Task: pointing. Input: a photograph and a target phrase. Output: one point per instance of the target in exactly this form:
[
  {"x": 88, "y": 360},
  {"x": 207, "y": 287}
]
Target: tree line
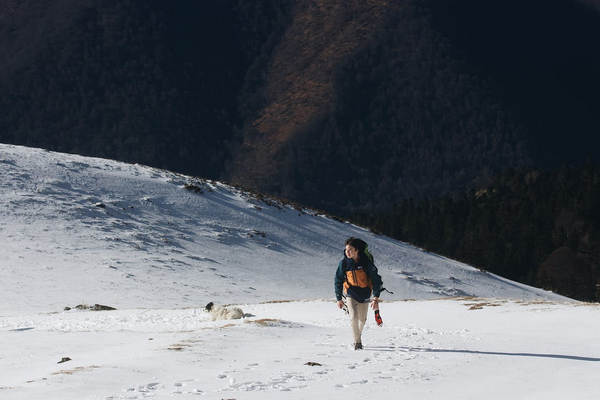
[{"x": 540, "y": 228}]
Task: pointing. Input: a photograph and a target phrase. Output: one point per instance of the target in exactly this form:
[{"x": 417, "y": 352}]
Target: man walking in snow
[{"x": 356, "y": 277}]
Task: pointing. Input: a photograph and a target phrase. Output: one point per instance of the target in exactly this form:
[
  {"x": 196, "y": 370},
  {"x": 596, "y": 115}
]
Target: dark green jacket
[{"x": 357, "y": 293}]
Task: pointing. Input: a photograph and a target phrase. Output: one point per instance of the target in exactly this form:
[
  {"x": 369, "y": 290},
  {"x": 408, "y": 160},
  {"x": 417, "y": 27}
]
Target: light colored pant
[{"x": 358, "y": 317}]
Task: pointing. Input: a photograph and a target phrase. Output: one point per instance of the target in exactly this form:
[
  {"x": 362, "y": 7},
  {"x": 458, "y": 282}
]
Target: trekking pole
[
  {"x": 378, "y": 318},
  {"x": 345, "y": 307}
]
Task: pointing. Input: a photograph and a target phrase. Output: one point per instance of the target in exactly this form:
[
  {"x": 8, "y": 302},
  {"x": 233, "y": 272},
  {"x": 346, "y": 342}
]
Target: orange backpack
[{"x": 357, "y": 277}]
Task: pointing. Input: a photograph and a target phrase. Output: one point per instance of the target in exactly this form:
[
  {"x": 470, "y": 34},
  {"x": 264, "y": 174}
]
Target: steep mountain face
[
  {"x": 138, "y": 81},
  {"x": 439, "y": 96},
  {"x": 399, "y": 117},
  {"x": 405, "y": 118},
  {"x": 299, "y": 86}
]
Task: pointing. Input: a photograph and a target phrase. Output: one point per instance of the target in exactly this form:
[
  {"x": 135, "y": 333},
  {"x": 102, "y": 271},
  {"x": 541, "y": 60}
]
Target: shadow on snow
[{"x": 493, "y": 353}]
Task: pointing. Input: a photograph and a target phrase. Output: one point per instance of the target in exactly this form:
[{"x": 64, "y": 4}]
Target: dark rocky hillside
[
  {"x": 537, "y": 227},
  {"x": 352, "y": 106},
  {"x": 439, "y": 96}
]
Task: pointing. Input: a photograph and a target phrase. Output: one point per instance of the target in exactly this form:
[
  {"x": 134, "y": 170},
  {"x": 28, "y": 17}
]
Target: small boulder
[
  {"x": 100, "y": 307},
  {"x": 95, "y": 307}
]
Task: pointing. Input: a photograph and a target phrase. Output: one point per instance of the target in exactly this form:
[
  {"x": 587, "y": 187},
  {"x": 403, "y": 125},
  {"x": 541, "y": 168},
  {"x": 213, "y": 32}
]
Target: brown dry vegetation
[
  {"x": 264, "y": 321},
  {"x": 479, "y": 306},
  {"x": 299, "y": 84},
  {"x": 75, "y": 370}
]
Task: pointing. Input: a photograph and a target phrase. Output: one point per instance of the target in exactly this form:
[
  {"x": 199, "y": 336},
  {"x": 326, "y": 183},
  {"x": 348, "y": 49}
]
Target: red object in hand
[{"x": 378, "y": 318}]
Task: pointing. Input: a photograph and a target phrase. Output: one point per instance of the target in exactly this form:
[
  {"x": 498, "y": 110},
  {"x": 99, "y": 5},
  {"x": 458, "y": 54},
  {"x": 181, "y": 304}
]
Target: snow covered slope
[
  {"x": 85, "y": 230},
  {"x": 79, "y": 230}
]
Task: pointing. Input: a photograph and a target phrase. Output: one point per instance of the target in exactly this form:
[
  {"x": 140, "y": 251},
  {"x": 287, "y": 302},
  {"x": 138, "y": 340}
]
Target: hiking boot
[{"x": 358, "y": 346}]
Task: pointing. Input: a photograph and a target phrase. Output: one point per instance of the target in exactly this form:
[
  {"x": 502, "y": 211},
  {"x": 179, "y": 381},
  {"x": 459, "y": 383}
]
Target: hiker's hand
[
  {"x": 375, "y": 303},
  {"x": 340, "y": 304}
]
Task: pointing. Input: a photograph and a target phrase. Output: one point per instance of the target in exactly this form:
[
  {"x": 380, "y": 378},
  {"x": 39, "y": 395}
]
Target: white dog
[{"x": 221, "y": 312}]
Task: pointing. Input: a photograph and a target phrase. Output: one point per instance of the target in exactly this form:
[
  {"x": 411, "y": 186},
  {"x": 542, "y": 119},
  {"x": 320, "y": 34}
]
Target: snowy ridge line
[{"x": 80, "y": 230}]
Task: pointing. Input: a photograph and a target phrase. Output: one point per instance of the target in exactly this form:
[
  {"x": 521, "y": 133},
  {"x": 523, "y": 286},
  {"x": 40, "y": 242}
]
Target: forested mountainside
[
  {"x": 145, "y": 81},
  {"x": 443, "y": 95},
  {"x": 352, "y": 106},
  {"x": 307, "y": 99},
  {"x": 536, "y": 227}
]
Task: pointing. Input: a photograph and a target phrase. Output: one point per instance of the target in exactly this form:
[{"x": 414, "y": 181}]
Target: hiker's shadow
[{"x": 492, "y": 353}]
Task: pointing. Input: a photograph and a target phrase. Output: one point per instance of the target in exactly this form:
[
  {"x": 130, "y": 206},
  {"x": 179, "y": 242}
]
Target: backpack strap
[
  {"x": 369, "y": 255},
  {"x": 384, "y": 289}
]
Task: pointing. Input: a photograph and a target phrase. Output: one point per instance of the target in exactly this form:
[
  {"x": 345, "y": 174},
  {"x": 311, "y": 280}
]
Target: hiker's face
[{"x": 351, "y": 252}]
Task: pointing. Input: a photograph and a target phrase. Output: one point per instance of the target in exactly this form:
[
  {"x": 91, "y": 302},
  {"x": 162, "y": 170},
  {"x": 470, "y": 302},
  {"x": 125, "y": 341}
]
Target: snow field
[{"x": 426, "y": 349}]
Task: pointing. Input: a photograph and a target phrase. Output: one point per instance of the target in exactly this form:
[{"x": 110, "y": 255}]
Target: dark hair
[
  {"x": 360, "y": 245},
  {"x": 357, "y": 243}
]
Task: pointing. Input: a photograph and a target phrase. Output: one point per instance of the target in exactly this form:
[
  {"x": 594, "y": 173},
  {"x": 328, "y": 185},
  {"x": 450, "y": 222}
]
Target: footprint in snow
[
  {"x": 148, "y": 388},
  {"x": 178, "y": 386},
  {"x": 153, "y": 385},
  {"x": 323, "y": 372}
]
